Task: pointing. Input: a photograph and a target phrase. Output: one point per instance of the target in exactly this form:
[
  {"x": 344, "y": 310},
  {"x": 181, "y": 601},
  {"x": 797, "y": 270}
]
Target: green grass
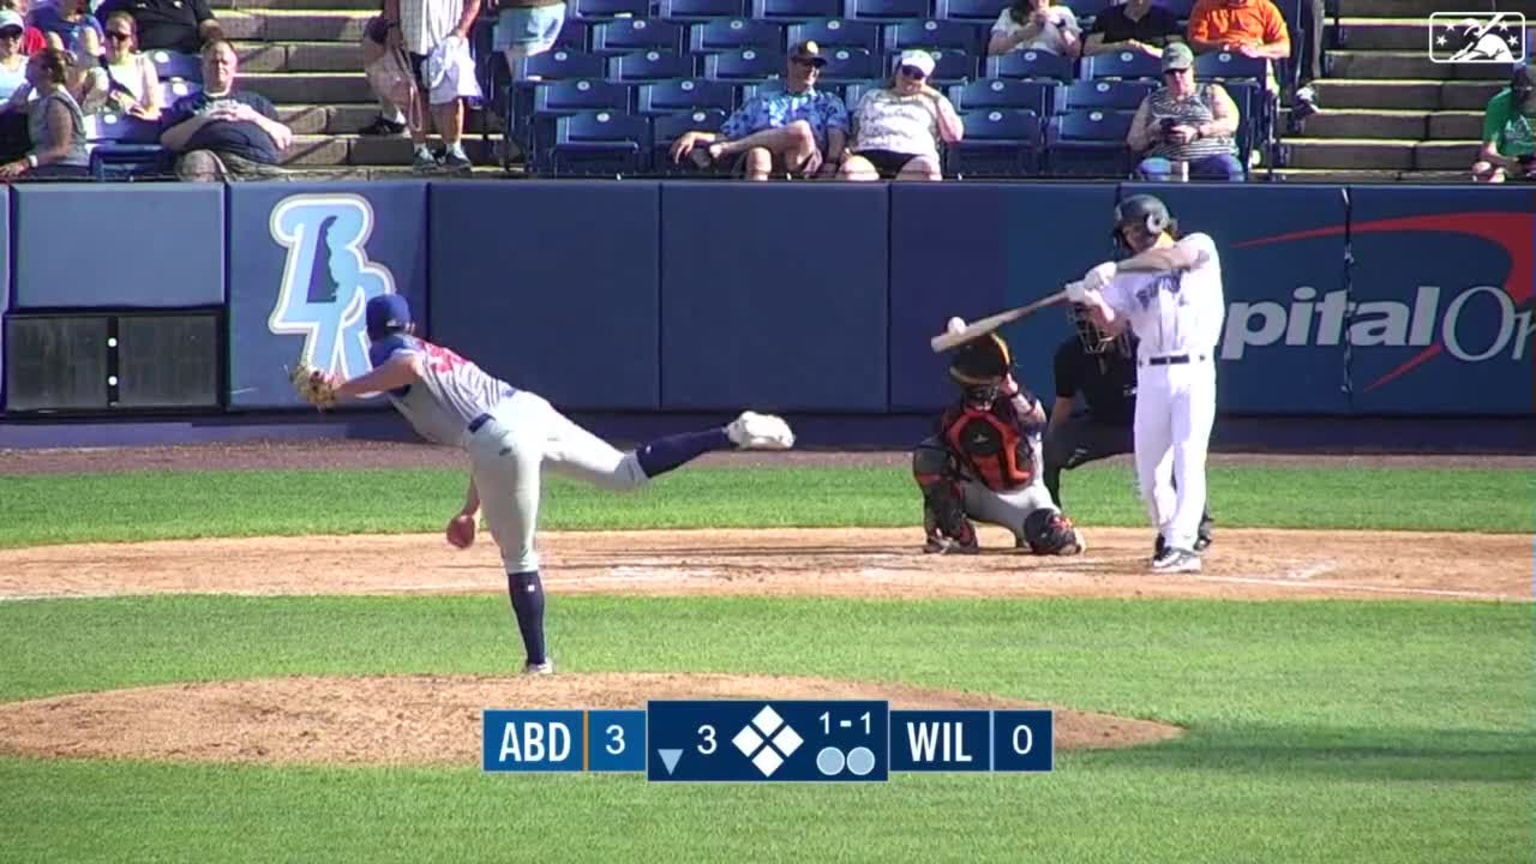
[
  {"x": 79, "y": 508},
  {"x": 1318, "y": 731},
  {"x": 1347, "y": 731}
]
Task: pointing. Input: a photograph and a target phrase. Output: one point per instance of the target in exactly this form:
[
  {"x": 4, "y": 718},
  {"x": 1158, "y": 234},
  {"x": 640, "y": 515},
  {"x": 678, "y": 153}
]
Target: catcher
[{"x": 984, "y": 462}]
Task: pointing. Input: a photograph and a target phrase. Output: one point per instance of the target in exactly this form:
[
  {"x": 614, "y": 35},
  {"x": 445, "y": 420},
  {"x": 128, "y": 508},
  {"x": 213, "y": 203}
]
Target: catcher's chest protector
[{"x": 988, "y": 441}]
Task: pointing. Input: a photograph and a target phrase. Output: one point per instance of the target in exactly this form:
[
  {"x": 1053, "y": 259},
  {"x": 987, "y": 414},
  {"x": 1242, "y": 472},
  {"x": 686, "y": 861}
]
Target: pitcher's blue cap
[{"x": 387, "y": 312}]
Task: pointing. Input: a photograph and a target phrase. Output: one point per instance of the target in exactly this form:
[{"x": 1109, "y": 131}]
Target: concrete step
[
  {"x": 287, "y": 26},
  {"x": 324, "y": 89},
  {"x": 220, "y": 7},
  {"x": 1354, "y": 154},
  {"x": 299, "y": 57},
  {"x": 1384, "y": 34},
  {"x": 1405, "y": 95},
  {"x": 1412, "y": 125},
  {"x": 348, "y": 119},
  {"x": 1406, "y": 8},
  {"x": 1394, "y": 65},
  {"x": 329, "y": 150},
  {"x": 1364, "y": 176}
]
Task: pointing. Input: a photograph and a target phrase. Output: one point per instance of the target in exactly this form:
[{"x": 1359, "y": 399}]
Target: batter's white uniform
[
  {"x": 1177, "y": 318},
  {"x": 510, "y": 434}
]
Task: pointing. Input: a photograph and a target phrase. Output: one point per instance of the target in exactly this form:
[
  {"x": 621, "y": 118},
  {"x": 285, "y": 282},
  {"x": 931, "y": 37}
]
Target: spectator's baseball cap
[
  {"x": 1178, "y": 56},
  {"x": 808, "y": 52},
  {"x": 386, "y": 313},
  {"x": 9, "y": 20},
  {"x": 917, "y": 59}
]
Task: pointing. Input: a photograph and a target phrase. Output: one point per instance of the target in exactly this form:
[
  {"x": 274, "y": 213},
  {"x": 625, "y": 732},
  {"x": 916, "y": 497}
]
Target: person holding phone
[{"x": 1186, "y": 122}]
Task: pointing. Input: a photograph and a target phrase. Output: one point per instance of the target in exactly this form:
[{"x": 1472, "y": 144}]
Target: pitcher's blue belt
[{"x": 475, "y": 424}]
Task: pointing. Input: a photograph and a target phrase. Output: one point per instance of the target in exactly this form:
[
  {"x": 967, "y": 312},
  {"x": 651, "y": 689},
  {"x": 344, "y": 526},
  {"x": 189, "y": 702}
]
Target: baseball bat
[{"x": 945, "y": 341}]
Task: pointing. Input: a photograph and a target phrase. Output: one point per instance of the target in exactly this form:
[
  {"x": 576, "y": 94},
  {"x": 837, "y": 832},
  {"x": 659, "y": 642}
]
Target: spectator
[
  {"x": 14, "y": 141},
  {"x": 391, "y": 119},
  {"x": 897, "y": 128},
  {"x": 1305, "y": 103},
  {"x": 224, "y": 132},
  {"x": 419, "y": 26},
  {"x": 182, "y": 26},
  {"x": 125, "y": 81},
  {"x": 68, "y": 24},
  {"x": 54, "y": 123},
  {"x": 1252, "y": 28},
  {"x": 798, "y": 130},
  {"x": 525, "y": 28},
  {"x": 33, "y": 39},
  {"x": 1036, "y": 25},
  {"x": 1136, "y": 25},
  {"x": 1509, "y": 146},
  {"x": 1183, "y": 121}
]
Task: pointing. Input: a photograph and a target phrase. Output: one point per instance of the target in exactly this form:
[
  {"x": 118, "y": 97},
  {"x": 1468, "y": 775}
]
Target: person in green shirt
[{"x": 1509, "y": 145}]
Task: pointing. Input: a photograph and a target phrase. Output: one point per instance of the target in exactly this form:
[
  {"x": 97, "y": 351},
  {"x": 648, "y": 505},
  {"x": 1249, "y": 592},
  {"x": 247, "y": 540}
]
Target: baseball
[
  {"x": 461, "y": 531},
  {"x": 956, "y": 324}
]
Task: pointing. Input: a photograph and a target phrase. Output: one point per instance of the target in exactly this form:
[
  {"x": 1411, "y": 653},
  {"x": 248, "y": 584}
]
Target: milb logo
[{"x": 327, "y": 279}]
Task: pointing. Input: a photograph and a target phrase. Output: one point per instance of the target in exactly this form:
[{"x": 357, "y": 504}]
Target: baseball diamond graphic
[{"x": 770, "y": 752}]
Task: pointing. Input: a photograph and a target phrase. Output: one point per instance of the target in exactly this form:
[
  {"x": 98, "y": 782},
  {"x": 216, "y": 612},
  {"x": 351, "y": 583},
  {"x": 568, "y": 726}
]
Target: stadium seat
[
  {"x": 558, "y": 65},
  {"x": 1179, "y": 8},
  {"x": 999, "y": 142},
  {"x": 1224, "y": 65},
  {"x": 650, "y": 66},
  {"x": 171, "y": 64},
  {"x": 698, "y": 10},
  {"x": 886, "y": 10},
  {"x": 796, "y": 10},
  {"x": 855, "y": 90},
  {"x": 600, "y": 142},
  {"x": 582, "y": 94},
  {"x": 836, "y": 33},
  {"x": 596, "y": 10},
  {"x": 670, "y": 97},
  {"x": 574, "y": 35},
  {"x": 849, "y": 64},
  {"x": 1105, "y": 95},
  {"x": 1031, "y": 65},
  {"x": 666, "y": 128},
  {"x": 977, "y": 11},
  {"x": 1090, "y": 143},
  {"x": 950, "y": 66},
  {"x": 626, "y": 35},
  {"x": 747, "y": 64},
  {"x": 1125, "y": 65},
  {"x": 725, "y": 34},
  {"x": 938, "y": 35},
  {"x": 989, "y": 93},
  {"x": 170, "y": 91},
  {"x": 124, "y": 148}
]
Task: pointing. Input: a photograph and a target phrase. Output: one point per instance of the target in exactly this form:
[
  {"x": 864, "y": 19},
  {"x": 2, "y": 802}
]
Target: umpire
[{"x": 1103, "y": 370}]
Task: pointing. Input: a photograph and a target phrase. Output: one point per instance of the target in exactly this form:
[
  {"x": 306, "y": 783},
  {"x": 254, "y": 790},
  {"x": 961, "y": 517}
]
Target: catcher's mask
[
  {"x": 1096, "y": 341},
  {"x": 1145, "y": 216},
  {"x": 979, "y": 367}
]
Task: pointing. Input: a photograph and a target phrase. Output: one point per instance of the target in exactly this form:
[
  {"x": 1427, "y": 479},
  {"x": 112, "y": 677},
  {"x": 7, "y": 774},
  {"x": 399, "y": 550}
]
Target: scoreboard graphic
[{"x": 768, "y": 741}]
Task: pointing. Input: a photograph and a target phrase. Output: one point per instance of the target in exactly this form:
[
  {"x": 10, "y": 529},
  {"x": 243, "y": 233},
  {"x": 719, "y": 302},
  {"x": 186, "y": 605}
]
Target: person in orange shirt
[{"x": 1252, "y": 28}]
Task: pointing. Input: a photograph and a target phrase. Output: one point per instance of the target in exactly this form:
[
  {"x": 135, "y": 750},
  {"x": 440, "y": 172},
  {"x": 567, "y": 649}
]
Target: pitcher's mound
[{"x": 424, "y": 719}]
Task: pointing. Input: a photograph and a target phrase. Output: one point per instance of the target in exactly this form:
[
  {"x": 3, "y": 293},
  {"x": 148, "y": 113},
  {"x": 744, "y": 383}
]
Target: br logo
[{"x": 327, "y": 279}]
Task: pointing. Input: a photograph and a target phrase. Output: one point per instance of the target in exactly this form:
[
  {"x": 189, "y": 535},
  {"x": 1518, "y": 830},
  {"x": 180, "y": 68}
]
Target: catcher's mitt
[{"x": 313, "y": 386}]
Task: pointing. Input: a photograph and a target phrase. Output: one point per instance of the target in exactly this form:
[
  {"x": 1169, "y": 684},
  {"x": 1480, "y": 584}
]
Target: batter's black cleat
[
  {"x": 1159, "y": 548},
  {"x": 1203, "y": 540}
]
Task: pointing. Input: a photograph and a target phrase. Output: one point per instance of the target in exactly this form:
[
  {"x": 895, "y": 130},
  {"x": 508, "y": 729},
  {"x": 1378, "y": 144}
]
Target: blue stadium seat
[
  {"x": 977, "y": 11},
  {"x": 1088, "y": 143},
  {"x": 600, "y": 142},
  {"x": 558, "y": 65},
  {"x": 700, "y": 10},
  {"x": 1125, "y": 65},
  {"x": 747, "y": 64},
  {"x": 855, "y": 90},
  {"x": 796, "y": 10},
  {"x": 591, "y": 10},
  {"x": 666, "y": 128},
  {"x": 626, "y": 35},
  {"x": 1031, "y": 65},
  {"x": 886, "y": 10},
  {"x": 725, "y": 34},
  {"x": 941, "y": 35},
  {"x": 670, "y": 97},
  {"x": 582, "y": 94},
  {"x": 1105, "y": 95},
  {"x": 123, "y": 148},
  {"x": 998, "y": 142},
  {"x": 650, "y": 66},
  {"x": 1033, "y": 96},
  {"x": 170, "y": 91},
  {"x": 1223, "y": 65},
  {"x": 950, "y": 66},
  {"x": 171, "y": 64},
  {"x": 574, "y": 35},
  {"x": 836, "y": 33},
  {"x": 1179, "y": 8},
  {"x": 849, "y": 64}
]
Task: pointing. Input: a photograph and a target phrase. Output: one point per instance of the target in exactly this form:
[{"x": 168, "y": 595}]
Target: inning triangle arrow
[{"x": 669, "y": 759}]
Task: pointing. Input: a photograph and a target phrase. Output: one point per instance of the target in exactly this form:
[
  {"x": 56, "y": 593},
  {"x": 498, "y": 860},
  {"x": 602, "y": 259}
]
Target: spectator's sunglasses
[
  {"x": 913, "y": 72},
  {"x": 119, "y": 36},
  {"x": 10, "y": 33}
]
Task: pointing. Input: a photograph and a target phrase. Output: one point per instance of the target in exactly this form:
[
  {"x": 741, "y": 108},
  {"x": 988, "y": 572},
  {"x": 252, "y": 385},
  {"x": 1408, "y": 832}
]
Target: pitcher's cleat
[{"x": 545, "y": 668}]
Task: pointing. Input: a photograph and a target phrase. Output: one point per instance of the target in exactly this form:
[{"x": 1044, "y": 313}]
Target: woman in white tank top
[{"x": 125, "y": 80}]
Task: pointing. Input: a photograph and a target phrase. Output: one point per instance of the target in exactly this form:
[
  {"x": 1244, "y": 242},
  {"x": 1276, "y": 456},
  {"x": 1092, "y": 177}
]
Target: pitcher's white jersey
[
  {"x": 1174, "y": 313},
  {"x": 452, "y": 390}
]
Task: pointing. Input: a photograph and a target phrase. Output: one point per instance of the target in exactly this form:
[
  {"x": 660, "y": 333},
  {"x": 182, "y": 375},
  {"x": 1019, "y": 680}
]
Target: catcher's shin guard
[{"x": 947, "y": 527}]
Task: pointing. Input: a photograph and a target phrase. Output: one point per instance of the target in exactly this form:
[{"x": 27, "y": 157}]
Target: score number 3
[{"x": 708, "y": 734}]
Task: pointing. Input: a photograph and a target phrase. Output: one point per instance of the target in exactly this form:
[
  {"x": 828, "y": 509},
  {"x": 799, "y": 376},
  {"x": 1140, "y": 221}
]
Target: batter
[
  {"x": 1169, "y": 293},
  {"x": 511, "y": 435}
]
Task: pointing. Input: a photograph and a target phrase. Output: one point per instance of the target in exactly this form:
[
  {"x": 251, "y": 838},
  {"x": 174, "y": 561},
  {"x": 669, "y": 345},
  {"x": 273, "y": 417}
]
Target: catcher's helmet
[
  {"x": 1143, "y": 213},
  {"x": 980, "y": 365}
]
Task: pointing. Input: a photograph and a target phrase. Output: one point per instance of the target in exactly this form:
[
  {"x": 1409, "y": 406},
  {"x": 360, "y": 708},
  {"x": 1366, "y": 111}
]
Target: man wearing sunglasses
[{"x": 799, "y": 130}]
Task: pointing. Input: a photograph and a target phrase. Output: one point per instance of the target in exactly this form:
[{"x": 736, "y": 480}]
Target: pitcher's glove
[{"x": 313, "y": 386}]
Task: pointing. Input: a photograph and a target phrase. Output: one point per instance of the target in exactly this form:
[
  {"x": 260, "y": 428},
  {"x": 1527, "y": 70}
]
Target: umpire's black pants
[{"x": 1080, "y": 439}]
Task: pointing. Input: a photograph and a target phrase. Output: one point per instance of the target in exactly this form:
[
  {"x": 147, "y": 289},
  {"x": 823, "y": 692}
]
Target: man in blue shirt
[
  {"x": 223, "y": 132},
  {"x": 798, "y": 130}
]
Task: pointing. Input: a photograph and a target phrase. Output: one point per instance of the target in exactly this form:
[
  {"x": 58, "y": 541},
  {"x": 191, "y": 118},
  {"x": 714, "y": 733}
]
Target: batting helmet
[
  {"x": 980, "y": 365},
  {"x": 1142, "y": 213}
]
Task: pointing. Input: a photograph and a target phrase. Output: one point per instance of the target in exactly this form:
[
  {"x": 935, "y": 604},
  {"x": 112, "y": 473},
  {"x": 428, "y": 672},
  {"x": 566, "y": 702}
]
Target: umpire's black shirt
[{"x": 1107, "y": 381}]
